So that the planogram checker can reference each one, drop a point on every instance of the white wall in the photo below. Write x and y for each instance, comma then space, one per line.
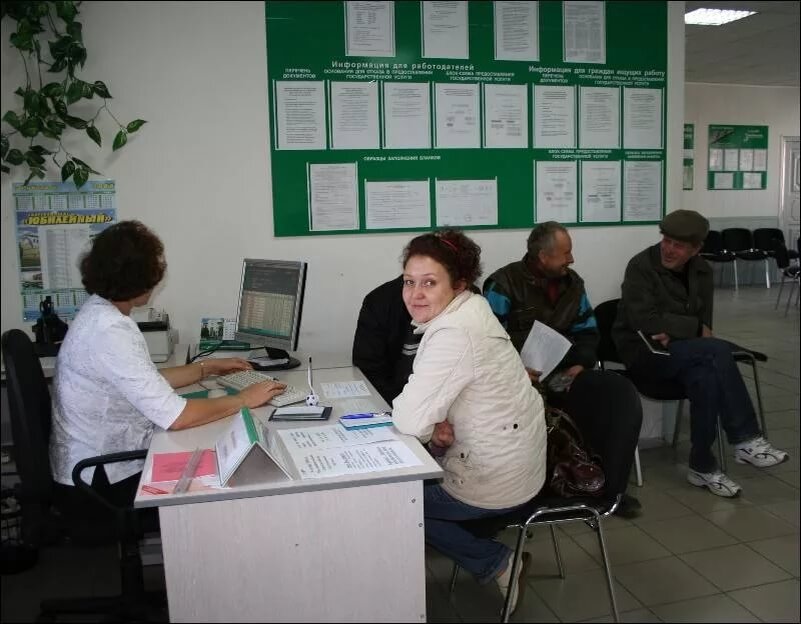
199, 171
775, 107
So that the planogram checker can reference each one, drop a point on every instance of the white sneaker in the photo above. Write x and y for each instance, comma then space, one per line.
759, 452
519, 583
716, 482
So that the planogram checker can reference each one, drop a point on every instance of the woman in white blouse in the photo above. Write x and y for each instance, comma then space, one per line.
108, 396
470, 397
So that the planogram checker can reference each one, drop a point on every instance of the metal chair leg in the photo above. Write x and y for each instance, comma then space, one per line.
607, 569
517, 561
778, 298
721, 447
790, 296
454, 576
557, 552
677, 426
736, 282
767, 274
637, 465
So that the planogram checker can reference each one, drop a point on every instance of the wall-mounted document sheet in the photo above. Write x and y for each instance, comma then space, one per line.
354, 115
398, 204
554, 116
599, 117
60, 252
642, 118
731, 159
370, 28
600, 191
456, 111
555, 191
444, 28
752, 180
300, 114
723, 181
760, 160
407, 115
584, 32
333, 197
687, 177
642, 190
505, 115
716, 159
746, 160
467, 202
516, 31
544, 349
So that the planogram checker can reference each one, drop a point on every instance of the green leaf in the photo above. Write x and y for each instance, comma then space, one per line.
61, 108
58, 66
84, 165
40, 149
75, 30
33, 159
55, 125
30, 127
12, 120
101, 90
31, 101
67, 170
75, 91
94, 134
53, 90
75, 122
87, 90
66, 11
59, 49
15, 157
119, 140
5, 169
135, 125
80, 177
3, 146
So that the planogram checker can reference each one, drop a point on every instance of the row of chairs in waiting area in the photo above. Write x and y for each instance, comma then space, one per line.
762, 245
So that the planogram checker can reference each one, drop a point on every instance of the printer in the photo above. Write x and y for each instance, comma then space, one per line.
155, 327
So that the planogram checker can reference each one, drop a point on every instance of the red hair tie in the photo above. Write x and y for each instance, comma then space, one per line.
449, 244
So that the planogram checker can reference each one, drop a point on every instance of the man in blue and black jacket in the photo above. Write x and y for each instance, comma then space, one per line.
542, 287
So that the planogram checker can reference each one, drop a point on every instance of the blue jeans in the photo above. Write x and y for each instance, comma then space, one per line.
484, 558
709, 375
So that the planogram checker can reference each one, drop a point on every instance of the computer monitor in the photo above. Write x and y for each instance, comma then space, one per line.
270, 306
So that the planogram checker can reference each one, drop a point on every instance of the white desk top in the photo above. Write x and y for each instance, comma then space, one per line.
250, 481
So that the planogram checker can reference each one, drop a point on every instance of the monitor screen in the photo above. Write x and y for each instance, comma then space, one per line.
270, 303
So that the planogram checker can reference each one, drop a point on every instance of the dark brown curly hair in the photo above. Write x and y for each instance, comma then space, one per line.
126, 260
460, 256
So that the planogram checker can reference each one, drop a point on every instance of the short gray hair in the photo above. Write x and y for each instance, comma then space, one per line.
543, 237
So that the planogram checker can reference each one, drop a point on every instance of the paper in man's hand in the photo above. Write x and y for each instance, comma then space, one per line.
544, 349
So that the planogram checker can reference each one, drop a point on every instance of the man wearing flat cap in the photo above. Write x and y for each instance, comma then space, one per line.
667, 294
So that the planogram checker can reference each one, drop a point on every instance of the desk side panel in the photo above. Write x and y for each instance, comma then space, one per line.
349, 555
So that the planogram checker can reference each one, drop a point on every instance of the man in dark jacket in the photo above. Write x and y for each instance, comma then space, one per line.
542, 287
667, 295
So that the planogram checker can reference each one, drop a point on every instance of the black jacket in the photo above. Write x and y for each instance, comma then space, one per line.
381, 329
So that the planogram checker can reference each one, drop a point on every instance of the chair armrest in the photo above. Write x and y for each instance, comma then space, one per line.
742, 354
102, 460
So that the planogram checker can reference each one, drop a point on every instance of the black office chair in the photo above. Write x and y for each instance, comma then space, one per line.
714, 251
605, 314
41, 498
547, 510
740, 241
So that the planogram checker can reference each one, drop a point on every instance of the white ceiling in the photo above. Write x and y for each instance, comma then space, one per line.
761, 49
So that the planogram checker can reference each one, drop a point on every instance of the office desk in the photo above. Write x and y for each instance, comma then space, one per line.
340, 549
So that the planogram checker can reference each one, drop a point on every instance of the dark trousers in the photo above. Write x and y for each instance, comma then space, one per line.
706, 370
607, 409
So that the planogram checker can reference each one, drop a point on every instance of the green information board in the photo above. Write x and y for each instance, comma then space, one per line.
738, 158
688, 157
404, 116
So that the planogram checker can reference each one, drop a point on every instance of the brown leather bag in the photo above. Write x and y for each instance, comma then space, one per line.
573, 469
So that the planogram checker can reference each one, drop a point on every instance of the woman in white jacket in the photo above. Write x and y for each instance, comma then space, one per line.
469, 394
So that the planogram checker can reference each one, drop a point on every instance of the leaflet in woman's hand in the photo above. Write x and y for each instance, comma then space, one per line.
544, 349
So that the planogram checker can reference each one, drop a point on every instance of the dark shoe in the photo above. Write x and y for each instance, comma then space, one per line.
629, 507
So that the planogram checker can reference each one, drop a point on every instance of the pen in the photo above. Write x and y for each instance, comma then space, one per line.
357, 416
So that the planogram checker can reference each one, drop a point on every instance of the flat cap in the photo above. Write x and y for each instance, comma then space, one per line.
685, 225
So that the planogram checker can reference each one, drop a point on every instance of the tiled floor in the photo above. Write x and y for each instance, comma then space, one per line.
691, 556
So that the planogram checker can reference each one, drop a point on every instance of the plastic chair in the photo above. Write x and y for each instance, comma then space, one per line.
788, 271
714, 251
547, 510
740, 241
30, 410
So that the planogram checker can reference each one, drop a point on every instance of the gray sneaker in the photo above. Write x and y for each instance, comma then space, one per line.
759, 452
716, 482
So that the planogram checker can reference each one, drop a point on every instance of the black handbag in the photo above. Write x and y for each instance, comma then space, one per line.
573, 469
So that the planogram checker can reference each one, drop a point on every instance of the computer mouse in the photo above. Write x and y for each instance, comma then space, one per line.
216, 393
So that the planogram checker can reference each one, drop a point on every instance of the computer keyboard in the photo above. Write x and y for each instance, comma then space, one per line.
243, 379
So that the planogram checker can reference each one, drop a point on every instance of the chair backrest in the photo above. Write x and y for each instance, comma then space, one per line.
605, 314
737, 239
713, 243
29, 404
768, 239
